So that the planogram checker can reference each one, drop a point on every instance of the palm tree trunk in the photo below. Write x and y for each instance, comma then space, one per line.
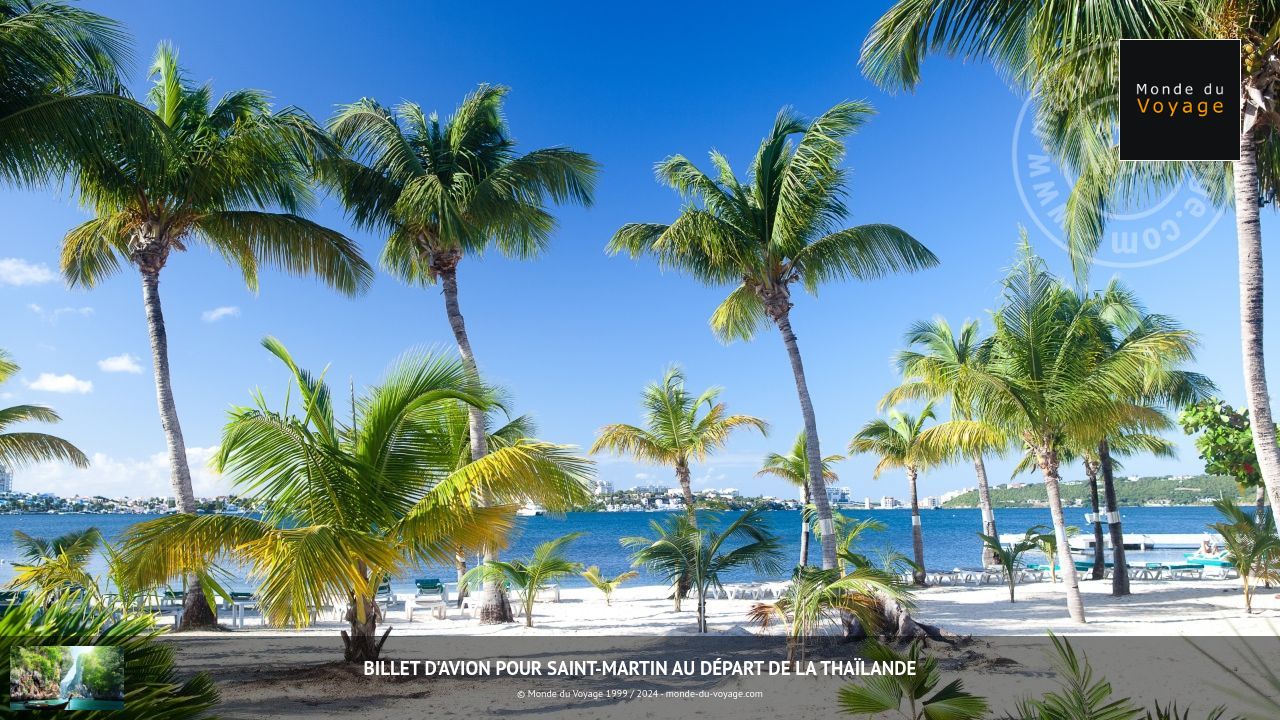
804, 525
195, 612
1099, 555
817, 486
360, 641
1260, 507
686, 489
1119, 566
917, 533
1249, 238
988, 511
1049, 468
495, 607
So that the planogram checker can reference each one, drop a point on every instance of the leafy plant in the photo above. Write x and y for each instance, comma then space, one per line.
1009, 557
794, 468
547, 565
1252, 547
912, 696
1225, 442
607, 585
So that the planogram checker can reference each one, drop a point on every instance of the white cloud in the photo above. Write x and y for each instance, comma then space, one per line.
61, 384
52, 316
122, 477
643, 476
219, 313
125, 363
14, 271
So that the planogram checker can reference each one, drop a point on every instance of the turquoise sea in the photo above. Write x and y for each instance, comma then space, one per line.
949, 535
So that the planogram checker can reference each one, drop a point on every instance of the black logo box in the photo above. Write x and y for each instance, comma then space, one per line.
1191, 65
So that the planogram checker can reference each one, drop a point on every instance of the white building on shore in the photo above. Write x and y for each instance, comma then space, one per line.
6, 479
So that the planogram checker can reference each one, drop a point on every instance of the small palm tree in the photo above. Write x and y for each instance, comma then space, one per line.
679, 428
794, 468
896, 442
778, 228
913, 696
931, 366
54, 566
607, 585
1009, 557
547, 565
703, 555
1252, 547
665, 553
21, 448
816, 598
350, 504
205, 173
445, 190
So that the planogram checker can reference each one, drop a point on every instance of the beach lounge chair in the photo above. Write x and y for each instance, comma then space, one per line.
1221, 567
993, 574
431, 587
384, 596
547, 593
1184, 571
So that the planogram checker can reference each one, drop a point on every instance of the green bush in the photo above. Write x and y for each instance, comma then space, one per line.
102, 671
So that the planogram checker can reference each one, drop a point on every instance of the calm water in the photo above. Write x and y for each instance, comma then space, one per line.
949, 535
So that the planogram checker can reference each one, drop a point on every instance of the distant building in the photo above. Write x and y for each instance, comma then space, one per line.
866, 504
887, 502
6, 479
839, 495
930, 502
603, 487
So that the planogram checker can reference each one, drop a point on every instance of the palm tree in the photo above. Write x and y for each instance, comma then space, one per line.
930, 372
679, 428
703, 554
1009, 557
607, 585
20, 448
547, 565
348, 505
444, 190
1049, 381
794, 468
896, 442
55, 566
1066, 53
202, 177
59, 88
666, 553
1252, 547
815, 598
780, 227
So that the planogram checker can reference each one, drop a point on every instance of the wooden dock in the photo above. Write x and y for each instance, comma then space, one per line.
1134, 541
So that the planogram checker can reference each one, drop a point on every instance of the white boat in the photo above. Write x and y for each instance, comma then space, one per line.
531, 509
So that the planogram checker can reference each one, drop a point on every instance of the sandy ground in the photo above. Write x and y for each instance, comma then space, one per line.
267, 673
1207, 607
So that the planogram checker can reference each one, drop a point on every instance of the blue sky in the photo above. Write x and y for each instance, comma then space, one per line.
576, 334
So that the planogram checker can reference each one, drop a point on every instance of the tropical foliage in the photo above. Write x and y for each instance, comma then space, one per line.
443, 190
18, 448
152, 686
779, 227
681, 549
1225, 442
896, 441
607, 585
349, 504
794, 468
679, 428
1009, 557
52, 567
1252, 547
914, 696
529, 577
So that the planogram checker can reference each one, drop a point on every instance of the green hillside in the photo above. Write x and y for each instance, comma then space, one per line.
1142, 491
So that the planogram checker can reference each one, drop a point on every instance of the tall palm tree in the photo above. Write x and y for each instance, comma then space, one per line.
208, 174
1066, 53
546, 565
21, 448
1049, 381
930, 366
779, 227
896, 441
59, 87
679, 428
444, 190
350, 504
794, 468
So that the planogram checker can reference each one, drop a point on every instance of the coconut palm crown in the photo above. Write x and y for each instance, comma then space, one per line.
779, 227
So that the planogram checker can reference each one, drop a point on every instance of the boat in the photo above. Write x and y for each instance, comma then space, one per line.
531, 509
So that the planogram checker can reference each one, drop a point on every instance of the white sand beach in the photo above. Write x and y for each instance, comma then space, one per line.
1205, 607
